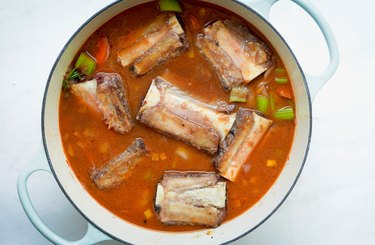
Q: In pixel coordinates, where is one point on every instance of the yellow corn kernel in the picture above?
(163, 156)
(154, 157)
(148, 214)
(271, 163)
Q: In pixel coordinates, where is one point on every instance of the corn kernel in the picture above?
(271, 163)
(163, 156)
(148, 214)
(155, 157)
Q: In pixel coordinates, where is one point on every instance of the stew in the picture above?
(177, 115)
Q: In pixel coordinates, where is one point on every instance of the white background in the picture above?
(334, 199)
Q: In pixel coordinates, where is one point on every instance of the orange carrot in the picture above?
(103, 50)
(194, 22)
(284, 92)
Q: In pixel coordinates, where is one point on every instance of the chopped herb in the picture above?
(75, 74)
(65, 84)
(272, 102)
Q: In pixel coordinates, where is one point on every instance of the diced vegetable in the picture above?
(148, 214)
(281, 80)
(85, 63)
(163, 156)
(170, 5)
(279, 70)
(262, 103)
(154, 157)
(272, 102)
(271, 163)
(284, 92)
(238, 94)
(181, 152)
(285, 113)
(103, 50)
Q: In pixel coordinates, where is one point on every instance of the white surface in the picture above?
(334, 199)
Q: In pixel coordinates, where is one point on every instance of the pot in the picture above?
(103, 225)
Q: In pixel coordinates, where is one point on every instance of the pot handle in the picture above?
(92, 236)
(315, 82)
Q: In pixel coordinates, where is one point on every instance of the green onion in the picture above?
(281, 80)
(279, 70)
(170, 5)
(238, 94)
(262, 103)
(85, 63)
(285, 113)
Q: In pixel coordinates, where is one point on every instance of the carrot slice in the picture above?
(194, 22)
(103, 50)
(284, 92)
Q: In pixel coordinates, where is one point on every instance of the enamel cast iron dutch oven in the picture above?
(103, 225)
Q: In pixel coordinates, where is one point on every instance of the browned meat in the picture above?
(119, 168)
(191, 198)
(161, 40)
(246, 132)
(236, 56)
(106, 94)
(168, 47)
(229, 74)
(172, 112)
